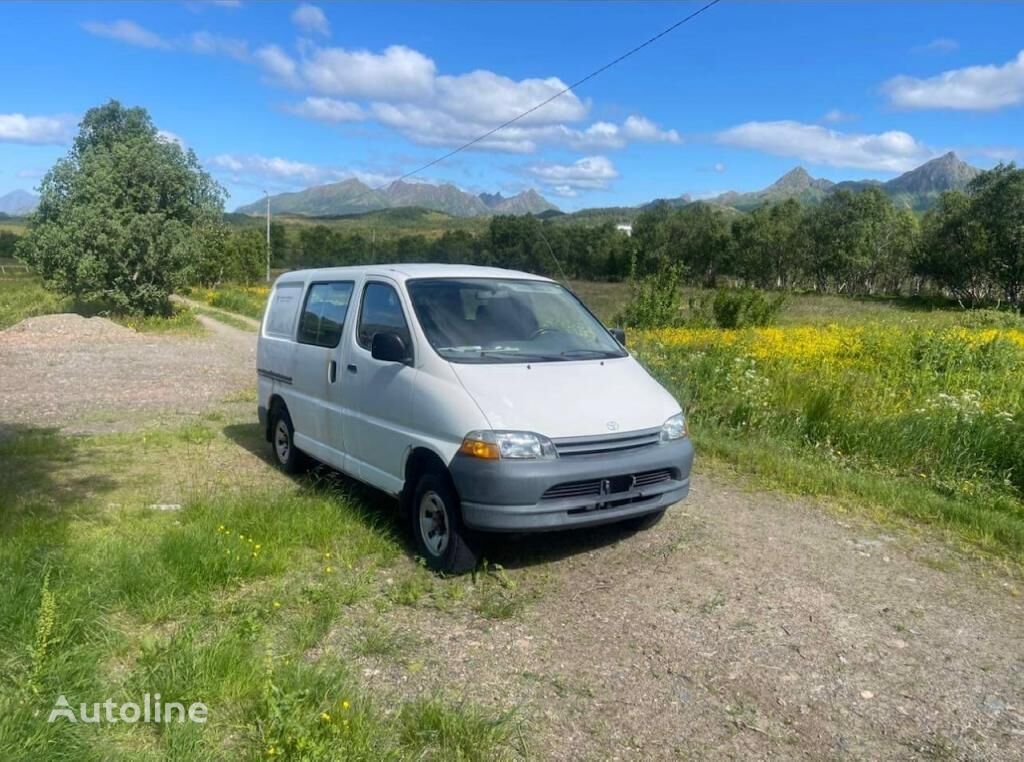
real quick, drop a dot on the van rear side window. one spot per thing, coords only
(323, 317)
(283, 308)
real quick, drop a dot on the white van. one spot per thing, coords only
(484, 399)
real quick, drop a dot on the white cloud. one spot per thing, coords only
(277, 63)
(432, 127)
(939, 45)
(327, 110)
(973, 88)
(643, 129)
(30, 174)
(589, 173)
(311, 20)
(127, 32)
(38, 130)
(212, 44)
(892, 151)
(279, 173)
(274, 168)
(565, 191)
(401, 88)
(835, 115)
(609, 135)
(719, 167)
(484, 96)
(399, 73)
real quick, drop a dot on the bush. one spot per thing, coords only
(655, 301)
(737, 308)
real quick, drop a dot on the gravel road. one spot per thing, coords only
(90, 375)
(747, 625)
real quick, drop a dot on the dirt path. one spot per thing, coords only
(89, 375)
(746, 625)
(231, 316)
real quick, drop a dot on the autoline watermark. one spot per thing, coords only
(150, 710)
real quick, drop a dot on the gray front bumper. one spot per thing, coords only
(506, 495)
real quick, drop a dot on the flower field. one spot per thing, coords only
(936, 408)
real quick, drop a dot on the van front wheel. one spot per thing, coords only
(441, 538)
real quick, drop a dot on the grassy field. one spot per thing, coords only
(22, 296)
(221, 581)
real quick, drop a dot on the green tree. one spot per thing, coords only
(124, 215)
(953, 250)
(770, 245)
(997, 203)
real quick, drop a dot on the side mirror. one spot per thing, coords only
(619, 334)
(388, 347)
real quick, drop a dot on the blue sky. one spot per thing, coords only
(286, 95)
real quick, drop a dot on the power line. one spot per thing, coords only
(542, 104)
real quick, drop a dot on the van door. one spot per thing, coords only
(321, 324)
(378, 395)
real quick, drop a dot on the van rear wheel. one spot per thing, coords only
(282, 440)
(441, 538)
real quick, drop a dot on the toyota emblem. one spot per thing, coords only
(612, 426)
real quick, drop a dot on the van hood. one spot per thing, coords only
(568, 399)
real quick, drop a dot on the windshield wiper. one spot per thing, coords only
(525, 356)
(595, 353)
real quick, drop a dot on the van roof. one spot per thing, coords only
(403, 272)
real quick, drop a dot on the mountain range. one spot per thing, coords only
(355, 197)
(917, 189)
(18, 202)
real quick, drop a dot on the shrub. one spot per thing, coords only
(655, 301)
(737, 308)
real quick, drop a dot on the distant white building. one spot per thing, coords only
(625, 227)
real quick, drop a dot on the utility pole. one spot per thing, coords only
(268, 235)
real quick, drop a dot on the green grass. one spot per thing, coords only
(229, 600)
(226, 318)
(243, 300)
(22, 296)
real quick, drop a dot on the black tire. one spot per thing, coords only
(451, 547)
(640, 523)
(282, 442)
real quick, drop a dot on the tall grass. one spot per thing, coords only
(940, 406)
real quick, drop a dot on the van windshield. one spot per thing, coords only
(499, 320)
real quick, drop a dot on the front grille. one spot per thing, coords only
(568, 447)
(612, 485)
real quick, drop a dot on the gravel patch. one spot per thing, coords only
(91, 375)
(747, 625)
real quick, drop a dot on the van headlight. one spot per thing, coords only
(512, 445)
(673, 428)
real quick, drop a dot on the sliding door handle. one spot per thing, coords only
(351, 368)
(332, 371)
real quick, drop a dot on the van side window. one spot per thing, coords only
(323, 316)
(382, 311)
(283, 307)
